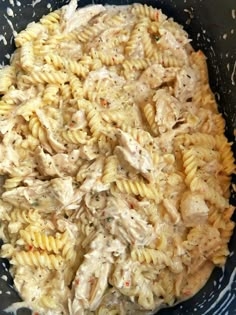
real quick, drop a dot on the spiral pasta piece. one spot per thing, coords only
(57, 77)
(198, 138)
(50, 93)
(167, 60)
(75, 136)
(227, 156)
(137, 187)
(51, 18)
(149, 50)
(148, 11)
(136, 35)
(106, 59)
(190, 166)
(32, 32)
(37, 259)
(94, 122)
(76, 87)
(89, 32)
(27, 56)
(157, 257)
(60, 62)
(37, 130)
(149, 113)
(42, 241)
(25, 216)
(110, 169)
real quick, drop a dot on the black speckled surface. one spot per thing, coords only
(212, 28)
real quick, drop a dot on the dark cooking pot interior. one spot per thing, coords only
(212, 26)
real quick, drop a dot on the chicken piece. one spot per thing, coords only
(89, 151)
(172, 210)
(91, 279)
(125, 223)
(67, 163)
(70, 50)
(9, 155)
(47, 196)
(203, 241)
(99, 42)
(95, 201)
(168, 42)
(101, 79)
(194, 209)
(78, 120)
(62, 189)
(73, 18)
(57, 146)
(185, 84)
(156, 75)
(93, 178)
(57, 165)
(28, 107)
(45, 163)
(7, 124)
(36, 195)
(139, 91)
(134, 155)
(167, 110)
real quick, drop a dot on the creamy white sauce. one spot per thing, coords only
(4, 277)
(222, 294)
(11, 25)
(224, 36)
(35, 2)
(15, 307)
(233, 14)
(233, 74)
(3, 39)
(10, 12)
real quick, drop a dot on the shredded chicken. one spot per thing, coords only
(126, 224)
(194, 209)
(57, 146)
(93, 181)
(167, 110)
(91, 279)
(48, 196)
(185, 84)
(74, 19)
(133, 154)
(57, 165)
(156, 75)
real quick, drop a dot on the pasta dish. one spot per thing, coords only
(114, 163)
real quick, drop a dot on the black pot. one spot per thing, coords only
(212, 27)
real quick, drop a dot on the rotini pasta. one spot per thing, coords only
(115, 168)
(37, 259)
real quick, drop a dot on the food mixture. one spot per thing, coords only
(115, 167)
